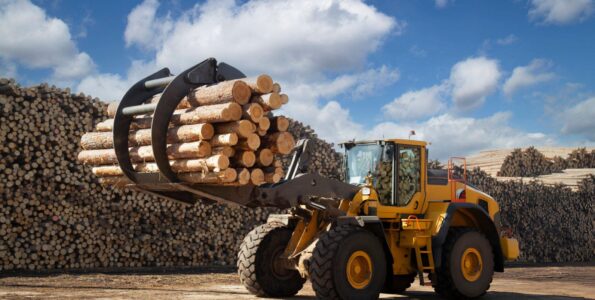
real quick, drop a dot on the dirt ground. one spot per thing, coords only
(576, 282)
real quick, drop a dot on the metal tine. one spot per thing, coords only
(139, 109)
(160, 82)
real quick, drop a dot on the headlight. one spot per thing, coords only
(366, 191)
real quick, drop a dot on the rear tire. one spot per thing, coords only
(348, 262)
(467, 265)
(256, 262)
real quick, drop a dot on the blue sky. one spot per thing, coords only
(465, 75)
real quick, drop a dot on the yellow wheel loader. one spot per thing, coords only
(390, 221)
(394, 220)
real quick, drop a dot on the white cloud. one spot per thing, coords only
(295, 38)
(473, 80)
(441, 3)
(144, 28)
(111, 87)
(107, 87)
(417, 104)
(417, 51)
(505, 41)
(580, 119)
(366, 83)
(560, 11)
(534, 73)
(78, 66)
(330, 120)
(34, 40)
(451, 135)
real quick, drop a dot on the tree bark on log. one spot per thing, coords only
(243, 128)
(224, 176)
(225, 139)
(198, 149)
(224, 150)
(228, 91)
(217, 113)
(215, 162)
(142, 137)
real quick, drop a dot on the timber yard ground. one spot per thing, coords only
(545, 282)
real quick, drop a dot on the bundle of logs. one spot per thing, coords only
(220, 134)
(552, 223)
(531, 163)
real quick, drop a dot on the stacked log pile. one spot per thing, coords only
(531, 163)
(324, 159)
(220, 134)
(526, 163)
(552, 223)
(580, 159)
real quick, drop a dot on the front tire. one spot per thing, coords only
(348, 262)
(467, 265)
(258, 266)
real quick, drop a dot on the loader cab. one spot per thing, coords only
(394, 168)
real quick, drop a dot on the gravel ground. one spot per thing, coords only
(567, 282)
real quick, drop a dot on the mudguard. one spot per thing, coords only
(483, 223)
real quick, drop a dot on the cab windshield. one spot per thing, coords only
(362, 159)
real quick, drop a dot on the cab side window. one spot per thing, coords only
(409, 174)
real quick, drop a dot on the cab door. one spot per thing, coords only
(408, 177)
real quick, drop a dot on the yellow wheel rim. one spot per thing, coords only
(471, 264)
(359, 269)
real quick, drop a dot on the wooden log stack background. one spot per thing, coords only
(220, 134)
(54, 213)
(531, 163)
(552, 223)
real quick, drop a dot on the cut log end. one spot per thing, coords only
(252, 142)
(265, 157)
(245, 158)
(281, 142)
(243, 176)
(257, 176)
(264, 124)
(264, 84)
(241, 92)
